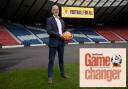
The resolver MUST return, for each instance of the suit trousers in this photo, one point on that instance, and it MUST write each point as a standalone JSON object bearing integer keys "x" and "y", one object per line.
{"x": 52, "y": 53}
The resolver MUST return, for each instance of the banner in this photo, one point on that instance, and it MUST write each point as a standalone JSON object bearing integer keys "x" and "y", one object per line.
{"x": 102, "y": 67}
{"x": 77, "y": 12}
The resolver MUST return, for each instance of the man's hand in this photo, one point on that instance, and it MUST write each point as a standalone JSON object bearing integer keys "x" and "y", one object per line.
{"x": 62, "y": 37}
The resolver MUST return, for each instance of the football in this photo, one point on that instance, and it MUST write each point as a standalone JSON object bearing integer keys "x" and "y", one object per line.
{"x": 116, "y": 60}
{"x": 67, "y": 35}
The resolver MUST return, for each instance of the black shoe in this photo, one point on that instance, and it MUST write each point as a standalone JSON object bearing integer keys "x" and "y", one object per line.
{"x": 66, "y": 76}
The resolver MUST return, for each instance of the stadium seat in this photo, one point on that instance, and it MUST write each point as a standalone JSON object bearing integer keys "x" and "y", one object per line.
{"x": 121, "y": 31}
{"x": 23, "y": 35}
{"x": 6, "y": 38}
{"x": 79, "y": 37}
{"x": 93, "y": 35}
{"x": 111, "y": 36}
{"x": 40, "y": 33}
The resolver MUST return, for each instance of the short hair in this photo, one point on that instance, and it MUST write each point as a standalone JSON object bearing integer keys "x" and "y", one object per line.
{"x": 54, "y": 5}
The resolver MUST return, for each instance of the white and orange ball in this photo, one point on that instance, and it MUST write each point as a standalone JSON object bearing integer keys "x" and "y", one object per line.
{"x": 67, "y": 35}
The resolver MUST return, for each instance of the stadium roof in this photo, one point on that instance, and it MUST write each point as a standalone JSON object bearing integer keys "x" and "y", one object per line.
{"x": 38, "y": 10}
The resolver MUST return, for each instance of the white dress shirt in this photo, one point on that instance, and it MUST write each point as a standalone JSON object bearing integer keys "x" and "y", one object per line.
{"x": 59, "y": 25}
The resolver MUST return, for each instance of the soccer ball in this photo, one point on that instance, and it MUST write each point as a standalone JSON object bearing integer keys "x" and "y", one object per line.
{"x": 116, "y": 60}
{"x": 67, "y": 36}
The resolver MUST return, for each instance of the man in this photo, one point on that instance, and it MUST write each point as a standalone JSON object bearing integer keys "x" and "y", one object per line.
{"x": 55, "y": 28}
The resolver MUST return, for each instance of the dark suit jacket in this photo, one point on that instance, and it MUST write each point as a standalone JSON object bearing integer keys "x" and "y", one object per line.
{"x": 52, "y": 29}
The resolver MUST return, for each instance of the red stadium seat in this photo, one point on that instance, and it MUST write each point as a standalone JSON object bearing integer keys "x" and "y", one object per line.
{"x": 121, "y": 31}
{"x": 111, "y": 36}
{"x": 6, "y": 38}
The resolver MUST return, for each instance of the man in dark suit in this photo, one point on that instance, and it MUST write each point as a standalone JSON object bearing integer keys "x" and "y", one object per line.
{"x": 55, "y": 28}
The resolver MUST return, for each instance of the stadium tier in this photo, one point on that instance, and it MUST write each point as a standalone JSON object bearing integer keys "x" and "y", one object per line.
{"x": 93, "y": 35}
{"x": 26, "y": 37}
{"x": 121, "y": 31}
{"x": 6, "y": 38}
{"x": 108, "y": 34}
{"x": 40, "y": 33}
{"x": 80, "y": 37}
{"x": 16, "y": 34}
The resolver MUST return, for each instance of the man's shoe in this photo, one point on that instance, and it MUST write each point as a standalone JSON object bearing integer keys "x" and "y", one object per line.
{"x": 50, "y": 81}
{"x": 66, "y": 76}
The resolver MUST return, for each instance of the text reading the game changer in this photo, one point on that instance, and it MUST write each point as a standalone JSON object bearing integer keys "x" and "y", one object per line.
{"x": 99, "y": 67}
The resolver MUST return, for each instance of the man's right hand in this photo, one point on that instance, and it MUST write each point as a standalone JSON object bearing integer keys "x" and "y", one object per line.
{"x": 62, "y": 37}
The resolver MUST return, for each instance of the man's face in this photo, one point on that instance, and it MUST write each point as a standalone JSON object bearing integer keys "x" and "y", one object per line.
{"x": 55, "y": 10}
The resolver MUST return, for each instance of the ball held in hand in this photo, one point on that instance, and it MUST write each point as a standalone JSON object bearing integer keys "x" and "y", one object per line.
{"x": 67, "y": 35}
